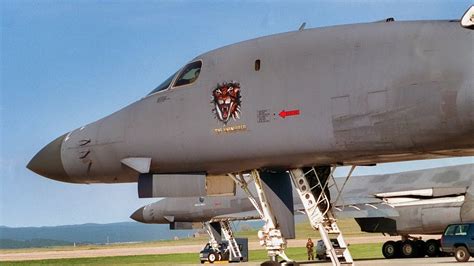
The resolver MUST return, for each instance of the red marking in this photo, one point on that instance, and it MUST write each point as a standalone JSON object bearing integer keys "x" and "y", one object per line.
{"x": 284, "y": 113}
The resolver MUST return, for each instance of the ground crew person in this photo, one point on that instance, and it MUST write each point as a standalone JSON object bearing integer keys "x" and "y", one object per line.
{"x": 309, "y": 249}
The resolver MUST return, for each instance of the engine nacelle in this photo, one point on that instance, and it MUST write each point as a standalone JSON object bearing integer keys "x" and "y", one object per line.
{"x": 417, "y": 216}
{"x": 184, "y": 185}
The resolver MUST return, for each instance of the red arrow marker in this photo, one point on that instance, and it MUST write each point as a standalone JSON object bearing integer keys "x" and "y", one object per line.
{"x": 284, "y": 113}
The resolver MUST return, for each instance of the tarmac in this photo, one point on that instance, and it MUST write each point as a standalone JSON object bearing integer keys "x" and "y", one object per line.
{"x": 112, "y": 250}
{"x": 444, "y": 261}
{"x": 395, "y": 262}
{"x": 124, "y": 251}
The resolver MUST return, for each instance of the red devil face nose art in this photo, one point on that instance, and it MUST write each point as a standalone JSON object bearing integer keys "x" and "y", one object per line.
{"x": 226, "y": 101}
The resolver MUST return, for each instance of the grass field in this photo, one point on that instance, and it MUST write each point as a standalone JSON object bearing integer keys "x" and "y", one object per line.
{"x": 358, "y": 251}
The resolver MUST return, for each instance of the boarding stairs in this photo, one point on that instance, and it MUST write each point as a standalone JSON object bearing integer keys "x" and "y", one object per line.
{"x": 232, "y": 244}
{"x": 314, "y": 193}
{"x": 212, "y": 240}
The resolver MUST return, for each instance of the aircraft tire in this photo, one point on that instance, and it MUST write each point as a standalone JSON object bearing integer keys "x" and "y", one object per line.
{"x": 408, "y": 249}
{"x": 212, "y": 257}
{"x": 390, "y": 250}
{"x": 461, "y": 254}
{"x": 420, "y": 246}
{"x": 432, "y": 248}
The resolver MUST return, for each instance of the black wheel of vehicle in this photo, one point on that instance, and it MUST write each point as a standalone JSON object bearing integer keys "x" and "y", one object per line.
{"x": 420, "y": 248}
{"x": 389, "y": 250}
{"x": 212, "y": 257}
{"x": 408, "y": 249}
{"x": 432, "y": 248}
{"x": 461, "y": 254}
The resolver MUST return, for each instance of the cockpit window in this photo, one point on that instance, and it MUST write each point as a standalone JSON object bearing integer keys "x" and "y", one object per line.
{"x": 189, "y": 74}
{"x": 163, "y": 85}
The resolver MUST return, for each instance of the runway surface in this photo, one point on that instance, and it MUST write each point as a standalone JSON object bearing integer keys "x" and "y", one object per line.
{"x": 110, "y": 251}
{"x": 444, "y": 261}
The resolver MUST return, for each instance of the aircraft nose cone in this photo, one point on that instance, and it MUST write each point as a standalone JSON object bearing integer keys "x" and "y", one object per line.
{"x": 47, "y": 162}
{"x": 138, "y": 215}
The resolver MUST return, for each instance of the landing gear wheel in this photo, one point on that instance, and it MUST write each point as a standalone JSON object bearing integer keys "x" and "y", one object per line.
{"x": 420, "y": 248}
{"x": 389, "y": 249}
{"x": 461, "y": 254}
{"x": 212, "y": 257}
{"x": 399, "y": 244}
{"x": 432, "y": 248}
{"x": 408, "y": 249}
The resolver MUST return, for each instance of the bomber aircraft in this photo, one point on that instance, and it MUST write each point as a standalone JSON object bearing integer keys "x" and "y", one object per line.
{"x": 407, "y": 203}
{"x": 289, "y": 106}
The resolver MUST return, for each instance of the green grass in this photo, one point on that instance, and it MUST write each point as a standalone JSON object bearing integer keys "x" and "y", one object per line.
{"x": 358, "y": 251}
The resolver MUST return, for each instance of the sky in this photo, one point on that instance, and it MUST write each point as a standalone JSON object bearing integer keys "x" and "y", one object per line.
{"x": 64, "y": 64}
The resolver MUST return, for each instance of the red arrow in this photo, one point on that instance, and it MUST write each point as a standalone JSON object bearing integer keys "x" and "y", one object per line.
{"x": 284, "y": 113}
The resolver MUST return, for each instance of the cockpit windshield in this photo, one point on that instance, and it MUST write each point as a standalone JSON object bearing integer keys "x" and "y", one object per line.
{"x": 163, "y": 85}
{"x": 189, "y": 74}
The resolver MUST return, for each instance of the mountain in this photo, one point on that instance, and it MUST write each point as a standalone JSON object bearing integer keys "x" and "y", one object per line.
{"x": 33, "y": 243}
{"x": 87, "y": 233}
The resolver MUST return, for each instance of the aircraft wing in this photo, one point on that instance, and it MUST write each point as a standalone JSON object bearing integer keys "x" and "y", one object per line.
{"x": 365, "y": 210}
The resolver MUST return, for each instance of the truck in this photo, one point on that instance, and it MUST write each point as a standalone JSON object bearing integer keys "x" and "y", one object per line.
{"x": 222, "y": 252}
{"x": 458, "y": 239}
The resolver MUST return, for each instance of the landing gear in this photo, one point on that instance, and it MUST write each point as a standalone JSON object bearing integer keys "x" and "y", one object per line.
{"x": 411, "y": 248}
{"x": 408, "y": 249}
{"x": 270, "y": 236}
{"x": 390, "y": 250}
{"x": 420, "y": 248}
{"x": 312, "y": 185}
{"x": 432, "y": 248}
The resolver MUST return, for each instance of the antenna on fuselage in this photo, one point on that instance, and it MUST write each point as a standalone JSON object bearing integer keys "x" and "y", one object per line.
{"x": 302, "y": 26}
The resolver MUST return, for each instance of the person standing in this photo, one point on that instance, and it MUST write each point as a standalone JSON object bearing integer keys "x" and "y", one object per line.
{"x": 309, "y": 249}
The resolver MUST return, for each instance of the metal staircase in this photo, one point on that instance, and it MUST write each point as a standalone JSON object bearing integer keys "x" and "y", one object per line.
{"x": 314, "y": 193}
{"x": 229, "y": 236}
{"x": 212, "y": 239}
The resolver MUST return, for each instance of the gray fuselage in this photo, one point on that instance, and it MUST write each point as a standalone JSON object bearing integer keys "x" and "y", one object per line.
{"x": 364, "y": 93}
